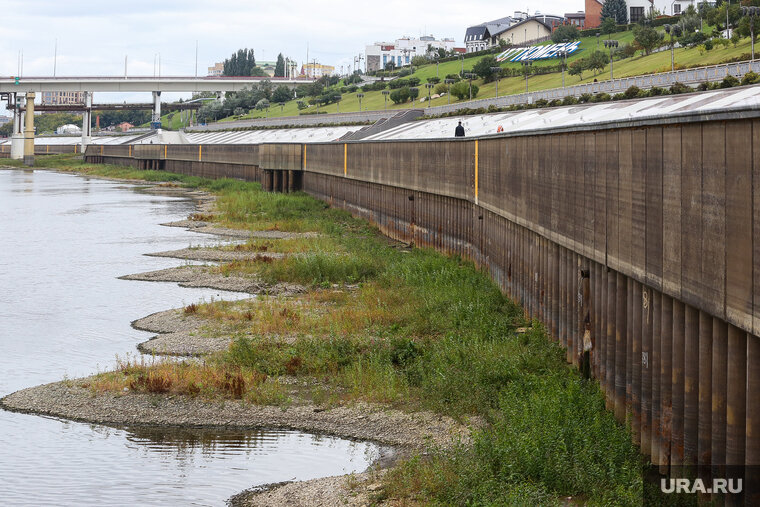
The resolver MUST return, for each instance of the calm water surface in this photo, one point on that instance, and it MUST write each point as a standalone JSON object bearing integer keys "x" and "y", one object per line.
{"x": 64, "y": 240}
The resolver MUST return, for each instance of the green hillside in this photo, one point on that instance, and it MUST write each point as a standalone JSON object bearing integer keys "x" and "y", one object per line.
{"x": 637, "y": 65}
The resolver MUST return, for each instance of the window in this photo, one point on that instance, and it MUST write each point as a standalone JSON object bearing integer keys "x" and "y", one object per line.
{"x": 676, "y": 8}
{"x": 637, "y": 14}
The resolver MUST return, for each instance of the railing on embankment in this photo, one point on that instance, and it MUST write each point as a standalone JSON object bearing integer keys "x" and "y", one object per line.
{"x": 642, "y": 240}
{"x": 43, "y": 149}
{"x": 207, "y": 160}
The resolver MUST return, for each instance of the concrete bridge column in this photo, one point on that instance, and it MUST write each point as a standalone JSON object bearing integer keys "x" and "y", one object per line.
{"x": 156, "y": 106}
{"x": 87, "y": 121}
{"x": 17, "y": 140}
{"x": 29, "y": 130}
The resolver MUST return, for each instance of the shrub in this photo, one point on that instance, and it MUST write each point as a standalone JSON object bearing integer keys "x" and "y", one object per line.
{"x": 398, "y": 83}
{"x": 729, "y": 82}
{"x": 400, "y": 96}
{"x": 632, "y": 92}
{"x": 441, "y": 88}
{"x": 601, "y": 97}
{"x": 569, "y": 101}
{"x": 585, "y": 97}
{"x": 413, "y": 81}
{"x": 655, "y": 91}
{"x": 460, "y": 89}
{"x": 750, "y": 78}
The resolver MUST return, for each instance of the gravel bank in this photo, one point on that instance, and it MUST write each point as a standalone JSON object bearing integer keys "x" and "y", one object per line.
{"x": 361, "y": 421}
{"x": 181, "y": 334}
{"x": 204, "y": 276}
{"x": 209, "y": 228}
{"x": 208, "y": 254}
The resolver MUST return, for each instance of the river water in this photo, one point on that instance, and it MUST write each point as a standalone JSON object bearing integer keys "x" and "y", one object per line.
{"x": 64, "y": 240}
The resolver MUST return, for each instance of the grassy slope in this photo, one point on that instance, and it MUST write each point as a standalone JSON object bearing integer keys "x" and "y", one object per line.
{"x": 639, "y": 65}
{"x": 420, "y": 331}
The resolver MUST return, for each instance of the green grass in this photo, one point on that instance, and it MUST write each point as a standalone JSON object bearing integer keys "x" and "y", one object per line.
{"x": 420, "y": 331}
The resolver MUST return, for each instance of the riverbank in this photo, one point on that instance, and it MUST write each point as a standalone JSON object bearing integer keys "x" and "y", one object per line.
{"x": 381, "y": 325}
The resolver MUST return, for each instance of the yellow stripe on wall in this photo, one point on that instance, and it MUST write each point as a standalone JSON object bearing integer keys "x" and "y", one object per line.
{"x": 345, "y": 159}
{"x": 476, "y": 171}
{"x": 200, "y": 152}
{"x": 304, "y": 157}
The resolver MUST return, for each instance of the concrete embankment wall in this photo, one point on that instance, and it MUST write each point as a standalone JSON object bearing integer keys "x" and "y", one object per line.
{"x": 43, "y": 149}
{"x": 641, "y": 241}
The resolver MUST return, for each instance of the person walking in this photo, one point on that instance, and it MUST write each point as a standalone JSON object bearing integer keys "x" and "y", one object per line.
{"x": 459, "y": 131}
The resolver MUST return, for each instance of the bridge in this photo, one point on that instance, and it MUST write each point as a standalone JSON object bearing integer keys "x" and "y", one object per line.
{"x": 20, "y": 92}
{"x": 631, "y": 230}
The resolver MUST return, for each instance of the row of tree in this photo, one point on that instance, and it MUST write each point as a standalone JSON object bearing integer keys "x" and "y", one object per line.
{"x": 243, "y": 63}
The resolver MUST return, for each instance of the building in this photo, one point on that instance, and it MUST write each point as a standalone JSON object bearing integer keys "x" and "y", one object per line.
{"x": 216, "y": 70}
{"x": 517, "y": 29}
{"x": 62, "y": 98}
{"x": 403, "y": 50}
{"x": 316, "y": 70}
{"x": 576, "y": 18}
{"x": 267, "y": 67}
{"x": 637, "y": 9}
{"x": 4, "y": 120}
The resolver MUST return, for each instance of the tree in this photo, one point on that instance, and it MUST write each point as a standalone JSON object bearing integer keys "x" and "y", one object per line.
{"x": 565, "y": 33}
{"x": 616, "y": 9}
{"x": 257, "y": 71}
{"x": 262, "y": 104}
{"x": 483, "y": 68}
{"x": 279, "y": 68}
{"x": 461, "y": 90}
{"x": 577, "y": 67}
{"x": 608, "y": 26}
{"x": 390, "y": 65}
{"x": 647, "y": 38}
{"x": 282, "y": 94}
{"x": 400, "y": 95}
{"x": 241, "y": 63}
{"x": 745, "y": 30}
{"x": 597, "y": 61}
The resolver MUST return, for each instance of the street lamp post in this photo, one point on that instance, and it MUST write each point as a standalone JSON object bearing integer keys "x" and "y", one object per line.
{"x": 411, "y": 99}
{"x": 597, "y": 39}
{"x": 526, "y": 69}
{"x": 673, "y": 31}
{"x": 360, "y": 96}
{"x": 429, "y": 86}
{"x": 448, "y": 90}
{"x": 436, "y": 65}
{"x": 563, "y": 54}
{"x": 385, "y": 96}
{"x": 337, "y": 99}
{"x": 497, "y": 71}
{"x": 282, "y": 106}
{"x": 611, "y": 44}
{"x": 461, "y": 57}
{"x": 470, "y": 76}
{"x": 751, "y": 12}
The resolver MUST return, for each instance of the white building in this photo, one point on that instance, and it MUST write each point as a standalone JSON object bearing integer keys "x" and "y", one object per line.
{"x": 517, "y": 29}
{"x": 402, "y": 50}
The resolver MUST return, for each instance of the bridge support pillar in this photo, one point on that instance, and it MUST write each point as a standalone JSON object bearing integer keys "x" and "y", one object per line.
{"x": 29, "y": 130}
{"x": 156, "y": 107}
{"x": 17, "y": 140}
{"x": 87, "y": 121}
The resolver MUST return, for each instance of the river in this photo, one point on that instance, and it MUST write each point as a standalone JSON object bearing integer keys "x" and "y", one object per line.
{"x": 65, "y": 314}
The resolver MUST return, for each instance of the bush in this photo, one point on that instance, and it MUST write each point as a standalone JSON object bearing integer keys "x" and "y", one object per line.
{"x": 708, "y": 44}
{"x": 441, "y": 88}
{"x": 750, "y": 78}
{"x": 569, "y": 101}
{"x": 455, "y": 77}
{"x": 632, "y": 92}
{"x": 601, "y": 97}
{"x": 729, "y": 82}
{"x": 585, "y": 97}
{"x": 564, "y": 33}
{"x": 398, "y": 83}
{"x": 655, "y": 91}
{"x": 414, "y": 81}
{"x": 400, "y": 96}
{"x": 404, "y": 72}
{"x": 461, "y": 90}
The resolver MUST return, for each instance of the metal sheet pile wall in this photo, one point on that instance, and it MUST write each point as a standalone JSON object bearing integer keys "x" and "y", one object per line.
{"x": 639, "y": 241}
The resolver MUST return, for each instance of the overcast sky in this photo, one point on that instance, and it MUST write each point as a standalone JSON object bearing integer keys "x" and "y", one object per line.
{"x": 93, "y": 37}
